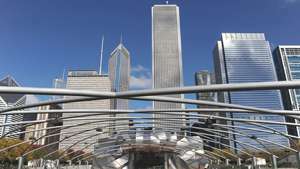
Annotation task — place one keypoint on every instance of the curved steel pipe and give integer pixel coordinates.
(162, 91)
(146, 140)
(223, 138)
(162, 129)
(87, 123)
(64, 151)
(206, 110)
(195, 116)
(198, 102)
(264, 140)
(232, 140)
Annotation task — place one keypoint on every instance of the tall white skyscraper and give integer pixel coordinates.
(166, 56)
(119, 75)
(85, 80)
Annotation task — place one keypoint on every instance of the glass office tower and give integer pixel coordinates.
(166, 56)
(287, 61)
(246, 57)
(119, 75)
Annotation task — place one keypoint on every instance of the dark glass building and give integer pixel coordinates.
(247, 57)
(287, 61)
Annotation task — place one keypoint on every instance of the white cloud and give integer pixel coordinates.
(140, 77)
(291, 1)
(31, 99)
(139, 68)
(140, 82)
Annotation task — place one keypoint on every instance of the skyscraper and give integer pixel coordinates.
(205, 78)
(287, 61)
(39, 133)
(119, 75)
(10, 100)
(85, 80)
(58, 83)
(246, 57)
(166, 56)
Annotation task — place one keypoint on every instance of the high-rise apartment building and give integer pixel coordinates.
(166, 57)
(247, 57)
(119, 75)
(39, 128)
(85, 80)
(287, 61)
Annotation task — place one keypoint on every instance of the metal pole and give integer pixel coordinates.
(227, 162)
(57, 163)
(20, 164)
(166, 160)
(254, 163)
(131, 161)
(274, 162)
(239, 162)
(298, 159)
(41, 162)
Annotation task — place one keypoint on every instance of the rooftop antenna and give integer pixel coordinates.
(63, 74)
(121, 38)
(101, 56)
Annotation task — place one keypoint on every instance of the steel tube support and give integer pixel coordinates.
(274, 162)
(227, 162)
(166, 158)
(239, 162)
(131, 161)
(41, 162)
(20, 163)
(254, 163)
(57, 163)
(298, 159)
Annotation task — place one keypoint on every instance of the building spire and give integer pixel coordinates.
(63, 74)
(101, 56)
(121, 38)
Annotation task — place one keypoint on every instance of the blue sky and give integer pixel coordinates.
(40, 38)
